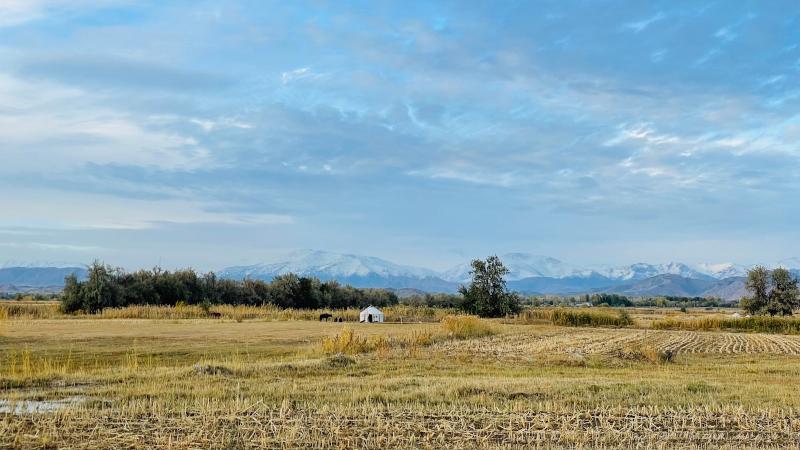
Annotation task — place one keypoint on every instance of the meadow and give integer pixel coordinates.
(156, 377)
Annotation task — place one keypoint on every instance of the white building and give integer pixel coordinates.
(371, 315)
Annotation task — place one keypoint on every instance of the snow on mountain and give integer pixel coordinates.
(520, 265)
(640, 271)
(327, 265)
(722, 270)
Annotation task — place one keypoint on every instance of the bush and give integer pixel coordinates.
(466, 327)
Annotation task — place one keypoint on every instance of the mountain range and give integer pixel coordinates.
(528, 274)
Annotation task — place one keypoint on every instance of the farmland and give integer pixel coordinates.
(267, 380)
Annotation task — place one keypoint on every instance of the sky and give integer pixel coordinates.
(216, 133)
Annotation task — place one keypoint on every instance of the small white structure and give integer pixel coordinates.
(371, 315)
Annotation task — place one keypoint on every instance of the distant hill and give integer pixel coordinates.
(676, 285)
(36, 279)
(564, 286)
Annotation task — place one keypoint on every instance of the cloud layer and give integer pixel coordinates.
(414, 131)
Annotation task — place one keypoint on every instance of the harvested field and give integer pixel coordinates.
(200, 383)
(391, 427)
(525, 344)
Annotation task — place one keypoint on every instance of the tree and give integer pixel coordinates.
(71, 297)
(783, 299)
(773, 293)
(486, 295)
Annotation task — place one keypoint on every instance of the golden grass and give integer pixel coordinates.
(398, 313)
(29, 310)
(348, 342)
(206, 383)
(576, 317)
(466, 327)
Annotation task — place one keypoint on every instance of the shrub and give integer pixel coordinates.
(466, 327)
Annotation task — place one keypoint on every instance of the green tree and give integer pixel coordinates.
(486, 295)
(101, 289)
(783, 299)
(71, 297)
(773, 292)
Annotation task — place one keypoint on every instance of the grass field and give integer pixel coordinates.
(81, 382)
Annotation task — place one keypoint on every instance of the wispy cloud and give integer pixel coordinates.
(303, 73)
(641, 25)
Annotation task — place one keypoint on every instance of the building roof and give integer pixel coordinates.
(371, 310)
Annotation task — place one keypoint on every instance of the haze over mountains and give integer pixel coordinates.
(529, 274)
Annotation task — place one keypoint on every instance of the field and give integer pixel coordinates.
(235, 382)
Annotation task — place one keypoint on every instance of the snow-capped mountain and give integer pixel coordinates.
(520, 266)
(640, 271)
(328, 265)
(722, 270)
(356, 270)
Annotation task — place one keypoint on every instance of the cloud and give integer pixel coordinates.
(641, 25)
(41, 122)
(19, 12)
(303, 73)
(332, 122)
(725, 34)
(467, 175)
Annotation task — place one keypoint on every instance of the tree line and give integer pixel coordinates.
(108, 287)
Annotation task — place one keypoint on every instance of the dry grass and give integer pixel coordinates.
(596, 317)
(398, 313)
(378, 426)
(205, 383)
(760, 324)
(348, 342)
(29, 310)
(467, 327)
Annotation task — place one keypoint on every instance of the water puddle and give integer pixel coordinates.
(38, 406)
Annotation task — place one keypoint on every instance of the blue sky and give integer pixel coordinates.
(216, 133)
